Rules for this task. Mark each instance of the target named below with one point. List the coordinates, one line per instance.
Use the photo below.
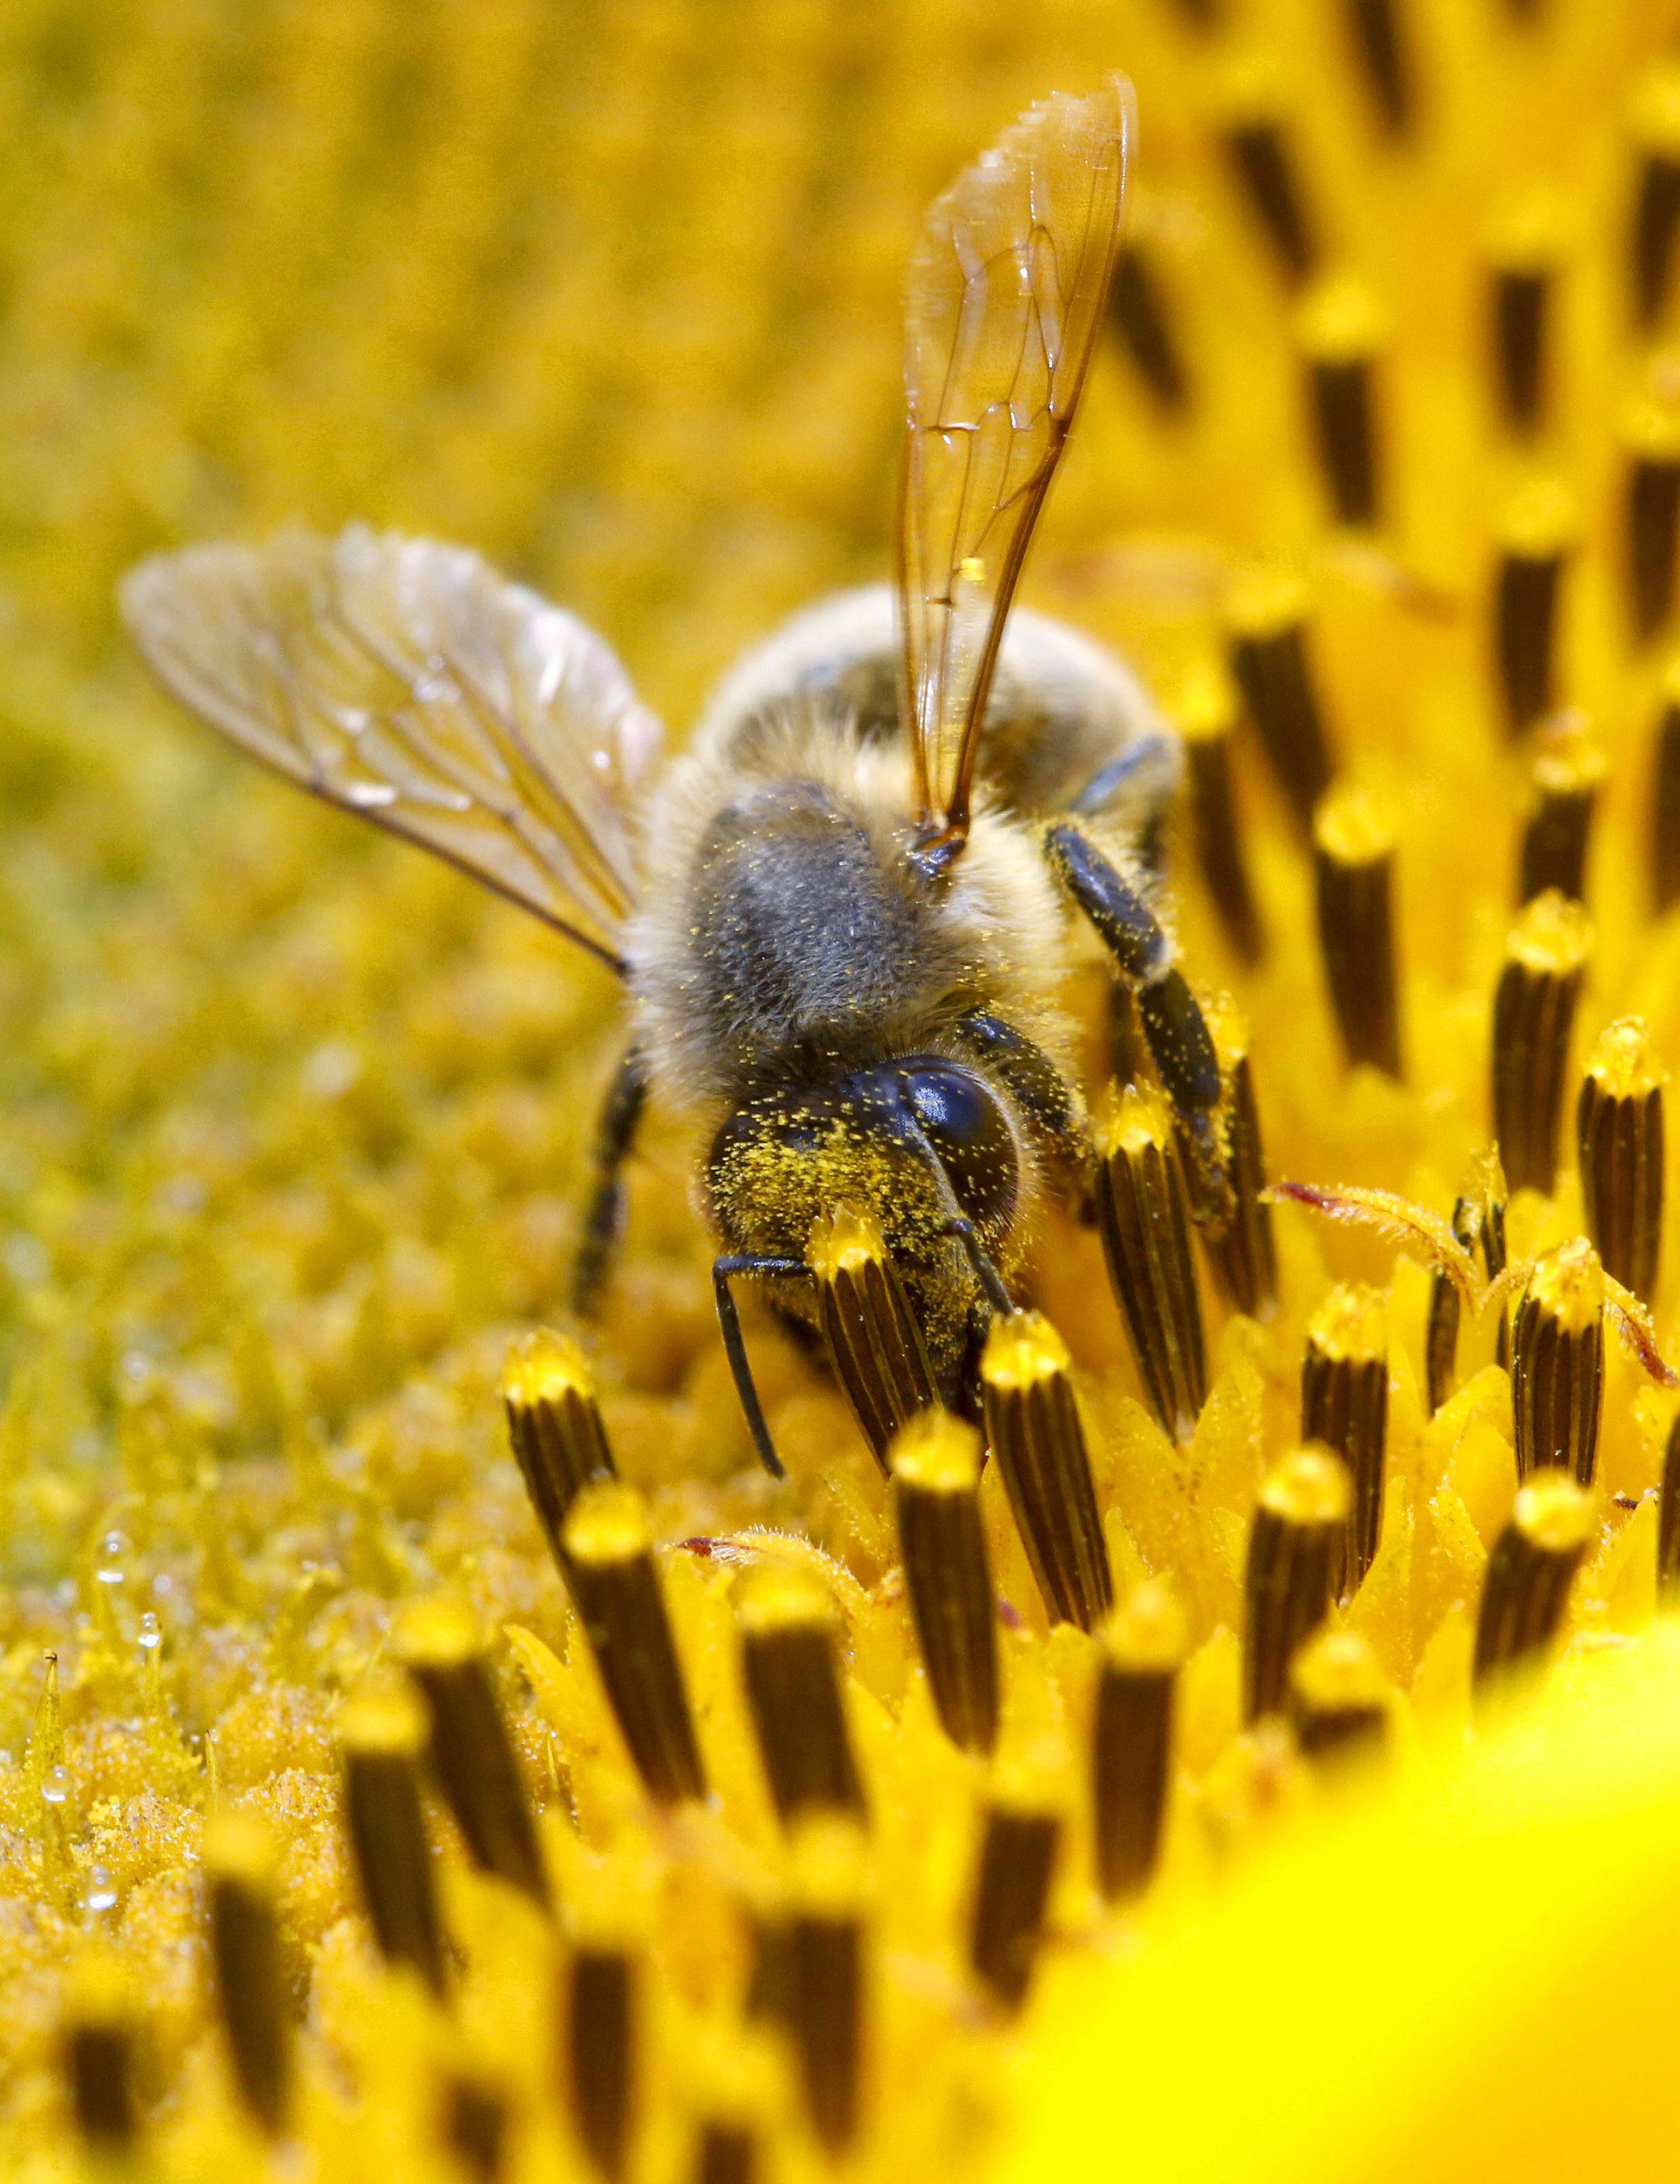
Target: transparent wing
(1006, 297)
(406, 681)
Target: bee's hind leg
(1180, 1043)
(604, 1224)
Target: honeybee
(841, 915)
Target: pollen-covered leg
(615, 1133)
(1038, 1088)
(1179, 1041)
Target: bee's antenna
(735, 1347)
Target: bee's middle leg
(1180, 1043)
(615, 1133)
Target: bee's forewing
(407, 682)
(1006, 297)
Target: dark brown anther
(1668, 1522)
(1533, 539)
(1568, 770)
(97, 2045)
(1345, 1404)
(789, 1664)
(241, 1886)
(600, 2014)
(1665, 836)
(1339, 329)
(1132, 1737)
(825, 1949)
(1523, 254)
(1140, 311)
(726, 2153)
(608, 1551)
(475, 2126)
(1619, 1130)
(1354, 863)
(1529, 1573)
(381, 1743)
(1339, 1700)
(1533, 1013)
(471, 1752)
(1295, 1547)
(554, 1425)
(1651, 514)
(1440, 1338)
(879, 1357)
(1656, 205)
(1270, 662)
(935, 1483)
(1245, 1259)
(1492, 1194)
(1034, 1430)
(1264, 165)
(1558, 1363)
(1380, 41)
(1205, 715)
(1143, 1213)
(1020, 1834)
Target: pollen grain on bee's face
(427, 1739)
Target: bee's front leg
(1180, 1043)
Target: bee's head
(913, 1144)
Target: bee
(841, 915)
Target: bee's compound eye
(971, 1132)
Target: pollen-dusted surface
(295, 1126)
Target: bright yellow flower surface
(294, 1126)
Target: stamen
(475, 2126)
(1558, 1363)
(1533, 1013)
(381, 1739)
(826, 1962)
(1132, 1737)
(727, 2153)
(1524, 252)
(1619, 1130)
(99, 2061)
(1666, 798)
(1668, 1521)
(936, 1478)
(1345, 1404)
(470, 1749)
(554, 1423)
(1529, 1573)
(1339, 1700)
(1656, 125)
(241, 1883)
(1651, 435)
(1494, 1257)
(787, 1654)
(1140, 311)
(1205, 715)
(1353, 843)
(1034, 1430)
(1440, 1339)
(1568, 770)
(601, 2018)
(1339, 329)
(1266, 167)
(1019, 1840)
(1142, 1210)
(1245, 1259)
(1537, 530)
(879, 1357)
(1294, 1547)
(610, 1558)
(1269, 659)
(1377, 32)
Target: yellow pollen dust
(1553, 1512)
(1569, 1282)
(937, 1453)
(1022, 1350)
(545, 1367)
(1354, 826)
(1352, 1322)
(1310, 1486)
(607, 1524)
(1624, 1063)
(1553, 936)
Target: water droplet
(137, 1368)
(55, 1786)
(101, 1896)
(151, 1637)
(110, 1564)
